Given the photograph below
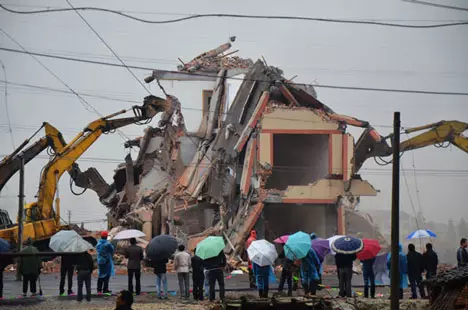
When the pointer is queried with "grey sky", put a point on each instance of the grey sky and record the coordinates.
(336, 54)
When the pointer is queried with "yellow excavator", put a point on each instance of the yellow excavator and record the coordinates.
(41, 221)
(372, 144)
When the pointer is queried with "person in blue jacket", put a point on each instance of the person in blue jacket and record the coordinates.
(310, 272)
(262, 277)
(403, 268)
(105, 251)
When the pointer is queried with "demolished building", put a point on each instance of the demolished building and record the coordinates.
(267, 155)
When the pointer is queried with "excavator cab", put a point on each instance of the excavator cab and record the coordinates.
(5, 221)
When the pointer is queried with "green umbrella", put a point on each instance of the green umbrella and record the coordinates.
(210, 247)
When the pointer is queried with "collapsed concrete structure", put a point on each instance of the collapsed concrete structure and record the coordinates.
(267, 154)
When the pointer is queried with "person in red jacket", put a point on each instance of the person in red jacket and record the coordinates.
(253, 237)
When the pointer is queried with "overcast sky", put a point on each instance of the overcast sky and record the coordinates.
(323, 53)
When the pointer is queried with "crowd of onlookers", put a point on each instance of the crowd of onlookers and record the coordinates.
(205, 273)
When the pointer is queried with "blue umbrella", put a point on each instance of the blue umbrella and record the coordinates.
(347, 245)
(161, 247)
(4, 246)
(421, 233)
(297, 246)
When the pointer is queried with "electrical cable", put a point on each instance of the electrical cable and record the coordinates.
(436, 5)
(240, 16)
(85, 103)
(108, 46)
(7, 110)
(393, 90)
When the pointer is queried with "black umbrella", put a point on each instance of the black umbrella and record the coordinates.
(161, 247)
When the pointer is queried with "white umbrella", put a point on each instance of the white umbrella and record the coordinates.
(262, 252)
(330, 241)
(68, 241)
(128, 234)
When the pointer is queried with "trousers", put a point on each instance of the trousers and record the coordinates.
(216, 275)
(286, 276)
(415, 282)
(369, 277)
(84, 277)
(66, 272)
(198, 280)
(103, 285)
(137, 274)
(31, 279)
(345, 276)
(1, 283)
(184, 284)
(161, 280)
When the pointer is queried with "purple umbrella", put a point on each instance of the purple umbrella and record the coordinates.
(321, 248)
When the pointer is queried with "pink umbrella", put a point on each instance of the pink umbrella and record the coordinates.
(282, 239)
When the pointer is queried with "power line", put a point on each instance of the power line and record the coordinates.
(7, 111)
(437, 5)
(240, 16)
(108, 46)
(392, 90)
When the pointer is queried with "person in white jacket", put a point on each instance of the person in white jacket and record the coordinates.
(182, 265)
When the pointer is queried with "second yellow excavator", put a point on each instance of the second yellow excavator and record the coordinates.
(41, 220)
(372, 144)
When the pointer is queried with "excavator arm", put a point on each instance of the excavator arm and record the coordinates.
(372, 144)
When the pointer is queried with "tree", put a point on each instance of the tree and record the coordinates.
(452, 233)
(462, 228)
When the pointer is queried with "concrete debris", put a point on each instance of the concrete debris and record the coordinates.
(278, 161)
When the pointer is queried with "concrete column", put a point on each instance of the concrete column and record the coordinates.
(146, 216)
(208, 215)
(341, 220)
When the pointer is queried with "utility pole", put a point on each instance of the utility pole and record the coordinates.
(20, 214)
(69, 217)
(395, 275)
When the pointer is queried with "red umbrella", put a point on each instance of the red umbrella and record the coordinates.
(282, 239)
(370, 250)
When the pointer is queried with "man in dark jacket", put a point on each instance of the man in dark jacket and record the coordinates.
(134, 253)
(198, 276)
(462, 254)
(124, 301)
(84, 267)
(66, 270)
(286, 274)
(344, 265)
(430, 261)
(415, 270)
(215, 266)
(161, 280)
(30, 268)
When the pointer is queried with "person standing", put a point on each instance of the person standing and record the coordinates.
(286, 274)
(161, 279)
(415, 270)
(84, 267)
(30, 267)
(344, 264)
(134, 253)
(402, 267)
(105, 261)
(124, 301)
(252, 237)
(215, 266)
(4, 261)
(198, 276)
(182, 264)
(310, 272)
(262, 276)
(430, 261)
(462, 254)
(66, 270)
(369, 277)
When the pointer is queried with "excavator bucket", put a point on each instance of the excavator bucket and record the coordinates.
(152, 105)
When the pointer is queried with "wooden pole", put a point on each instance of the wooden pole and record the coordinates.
(395, 275)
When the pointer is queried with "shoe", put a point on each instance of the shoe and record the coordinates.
(160, 297)
(99, 293)
(62, 295)
(71, 293)
(24, 295)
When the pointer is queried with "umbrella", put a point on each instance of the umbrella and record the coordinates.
(330, 241)
(421, 233)
(69, 241)
(161, 247)
(262, 252)
(347, 245)
(128, 234)
(297, 246)
(210, 247)
(321, 247)
(282, 239)
(370, 250)
(4, 245)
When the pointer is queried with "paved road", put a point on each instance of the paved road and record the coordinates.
(50, 283)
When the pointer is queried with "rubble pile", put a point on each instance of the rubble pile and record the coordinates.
(213, 181)
(449, 289)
